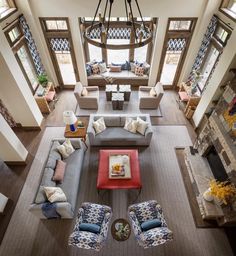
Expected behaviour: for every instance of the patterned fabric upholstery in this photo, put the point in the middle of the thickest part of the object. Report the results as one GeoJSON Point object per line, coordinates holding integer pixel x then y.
{"type": "Point", "coordinates": [96, 214]}
{"type": "Point", "coordinates": [32, 46]}
{"type": "Point", "coordinates": [142, 212]}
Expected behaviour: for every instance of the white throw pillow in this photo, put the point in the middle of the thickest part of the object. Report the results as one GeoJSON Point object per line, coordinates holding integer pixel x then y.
{"type": "Point", "coordinates": [153, 92]}
{"type": "Point", "coordinates": [131, 124]}
{"type": "Point", "coordinates": [66, 149]}
{"type": "Point", "coordinates": [142, 125]}
{"type": "Point", "coordinates": [99, 125]}
{"type": "Point", "coordinates": [55, 194]}
{"type": "Point", "coordinates": [84, 92]}
{"type": "Point", "coordinates": [102, 67]}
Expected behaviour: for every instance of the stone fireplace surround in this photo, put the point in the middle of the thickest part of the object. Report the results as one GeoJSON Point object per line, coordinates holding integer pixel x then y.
{"type": "Point", "coordinates": [212, 134]}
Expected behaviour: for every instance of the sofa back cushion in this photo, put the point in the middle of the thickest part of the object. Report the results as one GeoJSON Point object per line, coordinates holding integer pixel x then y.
{"type": "Point", "coordinates": [53, 156]}
{"type": "Point", "coordinates": [110, 121]}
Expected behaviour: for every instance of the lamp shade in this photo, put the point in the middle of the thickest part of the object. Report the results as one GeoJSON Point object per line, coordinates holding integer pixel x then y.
{"type": "Point", "coordinates": [69, 117]}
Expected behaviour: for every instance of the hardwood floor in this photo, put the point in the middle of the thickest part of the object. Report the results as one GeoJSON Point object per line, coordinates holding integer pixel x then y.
{"type": "Point", "coordinates": [12, 178]}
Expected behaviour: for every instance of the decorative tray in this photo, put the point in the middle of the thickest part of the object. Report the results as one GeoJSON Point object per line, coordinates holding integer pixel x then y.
{"type": "Point", "coordinates": [119, 166]}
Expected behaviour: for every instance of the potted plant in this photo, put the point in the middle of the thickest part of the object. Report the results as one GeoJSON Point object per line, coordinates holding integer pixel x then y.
{"type": "Point", "coordinates": [223, 192]}
{"type": "Point", "coordinates": [43, 80]}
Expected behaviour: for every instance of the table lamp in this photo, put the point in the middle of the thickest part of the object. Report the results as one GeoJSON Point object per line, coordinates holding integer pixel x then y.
{"type": "Point", "coordinates": [70, 119]}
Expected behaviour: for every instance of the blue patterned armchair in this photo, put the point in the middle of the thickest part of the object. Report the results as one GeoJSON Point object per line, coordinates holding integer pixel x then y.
{"type": "Point", "coordinates": [146, 211]}
{"type": "Point", "coordinates": [93, 214]}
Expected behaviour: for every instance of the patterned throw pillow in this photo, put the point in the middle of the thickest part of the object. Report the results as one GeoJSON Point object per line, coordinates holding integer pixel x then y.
{"type": "Point", "coordinates": [95, 69]}
{"type": "Point", "coordinates": [132, 67]}
{"type": "Point", "coordinates": [66, 149]}
{"type": "Point", "coordinates": [131, 125]}
{"type": "Point", "coordinates": [139, 71]}
{"type": "Point", "coordinates": [55, 194]}
{"type": "Point", "coordinates": [142, 126]}
{"type": "Point", "coordinates": [93, 213]}
{"type": "Point", "coordinates": [99, 125]}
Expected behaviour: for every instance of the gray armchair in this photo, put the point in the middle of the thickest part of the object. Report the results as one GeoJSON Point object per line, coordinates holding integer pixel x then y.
{"type": "Point", "coordinates": [147, 101]}
{"type": "Point", "coordinates": [89, 101]}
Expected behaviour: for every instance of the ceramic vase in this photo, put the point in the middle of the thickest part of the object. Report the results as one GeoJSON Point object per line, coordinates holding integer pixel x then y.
{"type": "Point", "coordinates": [207, 196]}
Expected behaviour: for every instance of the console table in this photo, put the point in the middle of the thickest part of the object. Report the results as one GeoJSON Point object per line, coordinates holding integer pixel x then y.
{"type": "Point", "coordinates": [41, 98]}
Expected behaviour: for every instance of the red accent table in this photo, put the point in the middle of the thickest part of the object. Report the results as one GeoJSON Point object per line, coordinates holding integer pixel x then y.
{"type": "Point", "coordinates": [103, 181]}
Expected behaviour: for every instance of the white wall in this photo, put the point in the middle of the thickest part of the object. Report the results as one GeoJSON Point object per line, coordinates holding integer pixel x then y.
{"type": "Point", "coordinates": [14, 91]}
{"type": "Point", "coordinates": [11, 148]}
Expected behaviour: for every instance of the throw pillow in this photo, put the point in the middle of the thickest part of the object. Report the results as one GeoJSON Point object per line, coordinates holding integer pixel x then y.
{"type": "Point", "coordinates": [66, 149]}
{"type": "Point", "coordinates": [89, 69]}
{"type": "Point", "coordinates": [95, 69]}
{"type": "Point", "coordinates": [115, 68]}
{"type": "Point", "coordinates": [132, 67]}
{"type": "Point", "coordinates": [102, 67]}
{"type": "Point", "coordinates": [90, 227]}
{"type": "Point", "coordinates": [142, 126]}
{"type": "Point", "coordinates": [59, 171]}
{"type": "Point", "coordinates": [55, 194]}
{"type": "Point", "coordinates": [146, 67]}
{"type": "Point", "coordinates": [139, 71]}
{"type": "Point", "coordinates": [149, 224]}
{"type": "Point", "coordinates": [99, 125]}
{"type": "Point", "coordinates": [84, 92]}
{"type": "Point", "coordinates": [153, 92]}
{"type": "Point", "coordinates": [131, 125]}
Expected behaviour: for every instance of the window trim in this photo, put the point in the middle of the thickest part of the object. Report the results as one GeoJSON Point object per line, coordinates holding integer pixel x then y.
{"type": "Point", "coordinates": [10, 11]}
{"type": "Point", "coordinates": [45, 28]}
{"type": "Point", "coordinates": [223, 8]}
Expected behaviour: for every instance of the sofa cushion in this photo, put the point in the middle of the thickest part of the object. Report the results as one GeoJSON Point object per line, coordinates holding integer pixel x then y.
{"type": "Point", "coordinates": [117, 134]}
{"type": "Point", "coordinates": [112, 121]}
{"type": "Point", "coordinates": [53, 156]}
{"type": "Point", "coordinates": [55, 194]}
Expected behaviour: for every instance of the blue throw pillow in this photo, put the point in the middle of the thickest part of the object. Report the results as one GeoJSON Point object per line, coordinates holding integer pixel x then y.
{"type": "Point", "coordinates": [94, 228]}
{"type": "Point", "coordinates": [149, 224]}
{"type": "Point", "coordinates": [89, 69]}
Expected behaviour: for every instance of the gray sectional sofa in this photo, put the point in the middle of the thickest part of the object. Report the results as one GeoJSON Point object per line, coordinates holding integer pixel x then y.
{"type": "Point", "coordinates": [70, 184]}
{"type": "Point", "coordinates": [115, 134]}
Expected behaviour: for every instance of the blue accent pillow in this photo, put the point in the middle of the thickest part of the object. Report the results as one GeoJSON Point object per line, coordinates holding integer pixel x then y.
{"type": "Point", "coordinates": [149, 224]}
{"type": "Point", "coordinates": [89, 70]}
{"type": "Point", "coordinates": [94, 228]}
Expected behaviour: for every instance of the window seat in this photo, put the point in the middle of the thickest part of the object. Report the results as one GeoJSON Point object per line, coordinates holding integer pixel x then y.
{"type": "Point", "coordinates": [123, 77]}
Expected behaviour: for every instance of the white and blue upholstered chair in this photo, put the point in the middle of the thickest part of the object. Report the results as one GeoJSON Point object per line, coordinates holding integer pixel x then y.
{"type": "Point", "coordinates": [91, 228]}
{"type": "Point", "coordinates": [149, 225]}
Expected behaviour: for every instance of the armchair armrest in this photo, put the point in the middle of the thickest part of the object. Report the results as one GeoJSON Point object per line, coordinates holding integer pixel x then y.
{"type": "Point", "coordinates": [145, 88]}
{"type": "Point", "coordinates": [104, 227]}
{"type": "Point", "coordinates": [92, 88]}
{"type": "Point", "coordinates": [161, 215]}
{"type": "Point", "coordinates": [79, 218]}
{"type": "Point", "coordinates": [135, 224]}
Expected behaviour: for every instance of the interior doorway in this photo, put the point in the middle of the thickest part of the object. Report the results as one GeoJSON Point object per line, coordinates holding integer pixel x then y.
{"type": "Point", "coordinates": [178, 36]}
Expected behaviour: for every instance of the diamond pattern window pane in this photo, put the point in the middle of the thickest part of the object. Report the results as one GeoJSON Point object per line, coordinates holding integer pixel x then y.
{"type": "Point", "coordinates": [60, 44]}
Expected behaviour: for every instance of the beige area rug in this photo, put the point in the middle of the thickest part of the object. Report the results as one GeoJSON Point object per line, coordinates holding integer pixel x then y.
{"type": "Point", "coordinates": [131, 107]}
{"type": "Point", "coordinates": [161, 180]}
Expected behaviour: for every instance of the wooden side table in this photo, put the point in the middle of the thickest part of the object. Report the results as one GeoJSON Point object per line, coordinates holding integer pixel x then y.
{"type": "Point", "coordinates": [81, 132]}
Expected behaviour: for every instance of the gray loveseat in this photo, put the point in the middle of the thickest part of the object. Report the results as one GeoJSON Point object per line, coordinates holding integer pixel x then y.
{"type": "Point", "coordinates": [70, 184]}
{"type": "Point", "coordinates": [115, 134]}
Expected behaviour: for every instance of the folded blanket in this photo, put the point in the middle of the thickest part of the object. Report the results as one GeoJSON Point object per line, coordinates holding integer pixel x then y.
{"type": "Point", "coordinates": [50, 210]}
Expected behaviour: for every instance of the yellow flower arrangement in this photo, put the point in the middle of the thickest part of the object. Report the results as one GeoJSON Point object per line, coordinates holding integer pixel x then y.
{"type": "Point", "coordinates": [223, 191]}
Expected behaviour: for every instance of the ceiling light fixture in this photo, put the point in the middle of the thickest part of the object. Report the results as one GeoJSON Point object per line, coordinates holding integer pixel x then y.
{"type": "Point", "coordinates": [140, 31]}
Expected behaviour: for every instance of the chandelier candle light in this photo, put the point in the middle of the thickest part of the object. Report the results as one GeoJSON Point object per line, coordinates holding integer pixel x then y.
{"type": "Point", "coordinates": [70, 119]}
{"type": "Point", "coordinates": [142, 34]}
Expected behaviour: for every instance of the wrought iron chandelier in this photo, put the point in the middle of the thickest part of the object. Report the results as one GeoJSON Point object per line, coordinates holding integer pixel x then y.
{"type": "Point", "coordinates": [142, 33]}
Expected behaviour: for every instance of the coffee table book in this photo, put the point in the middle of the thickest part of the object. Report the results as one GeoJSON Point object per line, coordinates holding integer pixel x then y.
{"type": "Point", "coordinates": [125, 172]}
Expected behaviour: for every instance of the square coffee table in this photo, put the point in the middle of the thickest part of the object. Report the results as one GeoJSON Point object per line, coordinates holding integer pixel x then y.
{"type": "Point", "coordinates": [103, 180]}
